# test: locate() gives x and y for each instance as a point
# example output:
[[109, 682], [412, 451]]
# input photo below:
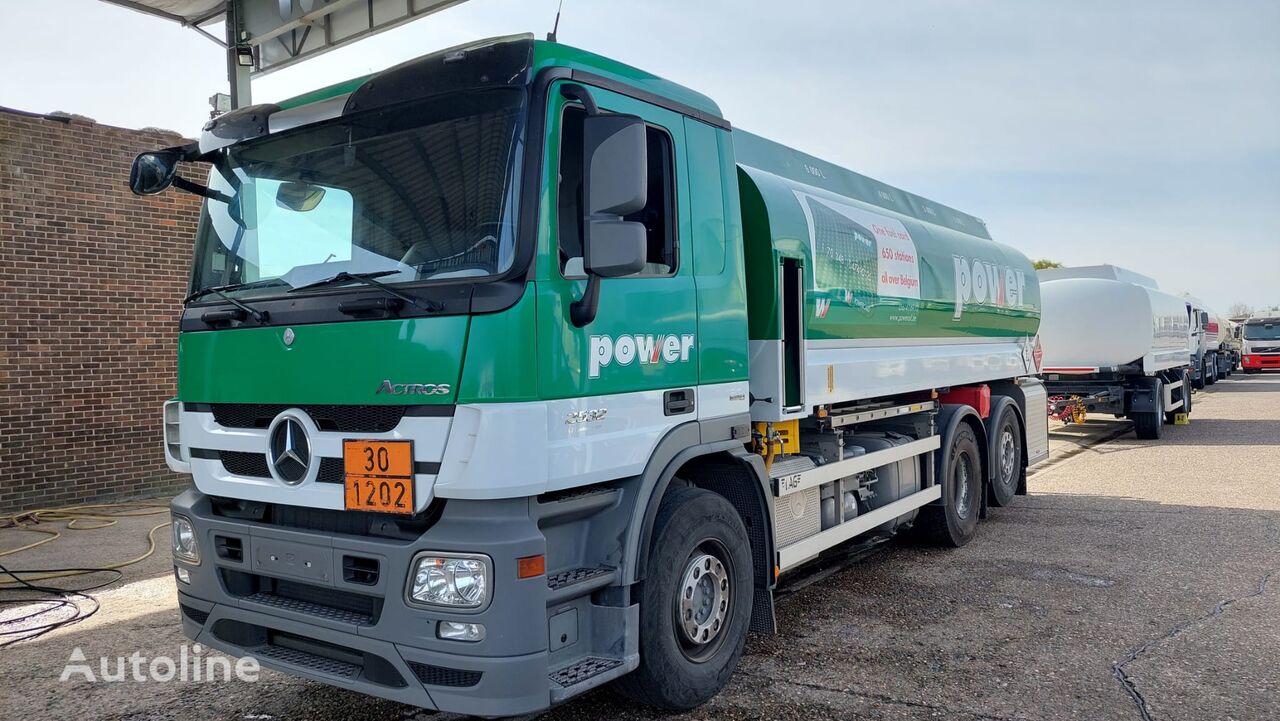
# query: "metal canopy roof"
[[187, 12], [283, 32]]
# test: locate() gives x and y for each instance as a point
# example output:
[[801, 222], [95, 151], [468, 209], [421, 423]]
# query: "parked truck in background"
[[1114, 343], [1212, 355], [512, 371], [1260, 342], [1229, 344]]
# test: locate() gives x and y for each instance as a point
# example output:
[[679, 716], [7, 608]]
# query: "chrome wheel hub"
[[963, 492], [704, 599], [1008, 455]]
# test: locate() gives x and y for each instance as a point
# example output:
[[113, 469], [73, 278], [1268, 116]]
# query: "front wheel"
[[695, 604]]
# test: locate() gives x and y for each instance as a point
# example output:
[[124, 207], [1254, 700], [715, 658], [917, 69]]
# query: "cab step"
[[587, 673], [583, 670], [553, 509], [574, 582]]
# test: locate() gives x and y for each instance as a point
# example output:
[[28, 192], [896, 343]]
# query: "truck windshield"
[[1262, 331], [424, 192]]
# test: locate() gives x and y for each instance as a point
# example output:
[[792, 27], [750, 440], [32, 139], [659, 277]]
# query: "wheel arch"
[[949, 419], [1013, 391], [727, 469]]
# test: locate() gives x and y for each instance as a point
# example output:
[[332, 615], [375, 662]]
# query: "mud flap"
[[1143, 399]]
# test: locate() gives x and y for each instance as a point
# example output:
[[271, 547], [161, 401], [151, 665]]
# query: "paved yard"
[[1137, 580]]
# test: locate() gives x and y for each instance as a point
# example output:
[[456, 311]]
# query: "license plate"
[[379, 475]]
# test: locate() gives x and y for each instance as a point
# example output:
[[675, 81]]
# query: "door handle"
[[677, 402]]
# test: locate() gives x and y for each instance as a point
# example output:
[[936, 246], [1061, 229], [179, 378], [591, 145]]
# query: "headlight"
[[452, 581], [185, 547]]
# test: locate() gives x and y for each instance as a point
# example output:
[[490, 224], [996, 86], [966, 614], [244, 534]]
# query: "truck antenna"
[[551, 36]]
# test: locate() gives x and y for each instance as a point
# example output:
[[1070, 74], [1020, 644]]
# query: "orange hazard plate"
[[379, 475]]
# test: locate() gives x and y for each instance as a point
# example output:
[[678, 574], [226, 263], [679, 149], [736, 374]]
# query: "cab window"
[[658, 215]]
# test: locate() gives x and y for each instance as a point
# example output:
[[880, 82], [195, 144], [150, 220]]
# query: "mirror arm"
[[203, 191], [583, 310], [582, 95]]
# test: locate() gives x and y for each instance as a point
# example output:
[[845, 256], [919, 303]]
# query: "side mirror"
[[153, 171], [616, 184], [300, 197]]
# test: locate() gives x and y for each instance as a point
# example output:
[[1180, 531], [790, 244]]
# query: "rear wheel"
[[695, 604], [1149, 425], [1007, 459], [955, 522]]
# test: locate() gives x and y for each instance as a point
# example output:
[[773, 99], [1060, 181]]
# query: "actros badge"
[[413, 389]]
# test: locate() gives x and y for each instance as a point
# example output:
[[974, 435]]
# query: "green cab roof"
[[544, 54], [751, 151]]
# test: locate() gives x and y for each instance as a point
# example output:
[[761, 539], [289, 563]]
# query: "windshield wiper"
[[220, 291], [368, 279]]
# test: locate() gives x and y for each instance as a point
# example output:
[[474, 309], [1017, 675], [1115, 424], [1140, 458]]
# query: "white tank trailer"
[[1114, 343]]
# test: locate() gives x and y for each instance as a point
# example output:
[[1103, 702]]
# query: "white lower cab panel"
[[200, 432], [509, 450], [212, 478]]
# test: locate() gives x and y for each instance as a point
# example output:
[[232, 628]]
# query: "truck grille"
[[440, 676], [344, 419], [254, 465], [239, 463], [325, 520], [332, 470]]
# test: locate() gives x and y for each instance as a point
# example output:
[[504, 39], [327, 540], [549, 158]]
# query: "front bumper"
[[1261, 362], [305, 602]]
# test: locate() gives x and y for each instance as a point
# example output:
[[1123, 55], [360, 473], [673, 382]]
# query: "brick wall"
[[91, 282]]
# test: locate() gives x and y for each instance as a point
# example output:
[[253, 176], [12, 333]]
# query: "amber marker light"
[[531, 566]]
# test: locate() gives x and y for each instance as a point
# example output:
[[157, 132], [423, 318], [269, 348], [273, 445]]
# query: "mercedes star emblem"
[[288, 336], [290, 450]]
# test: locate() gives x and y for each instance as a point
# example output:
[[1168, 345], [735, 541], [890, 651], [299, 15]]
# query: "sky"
[[1143, 133]]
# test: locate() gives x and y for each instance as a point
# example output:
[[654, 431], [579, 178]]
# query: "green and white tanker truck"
[[513, 371]]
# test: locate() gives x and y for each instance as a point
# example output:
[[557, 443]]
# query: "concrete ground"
[[1138, 580]]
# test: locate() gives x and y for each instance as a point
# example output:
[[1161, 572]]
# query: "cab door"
[[633, 370]]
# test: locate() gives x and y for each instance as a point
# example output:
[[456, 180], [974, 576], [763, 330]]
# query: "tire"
[[1149, 425], [1212, 377], [698, 538], [1006, 461], [955, 522], [1198, 383]]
